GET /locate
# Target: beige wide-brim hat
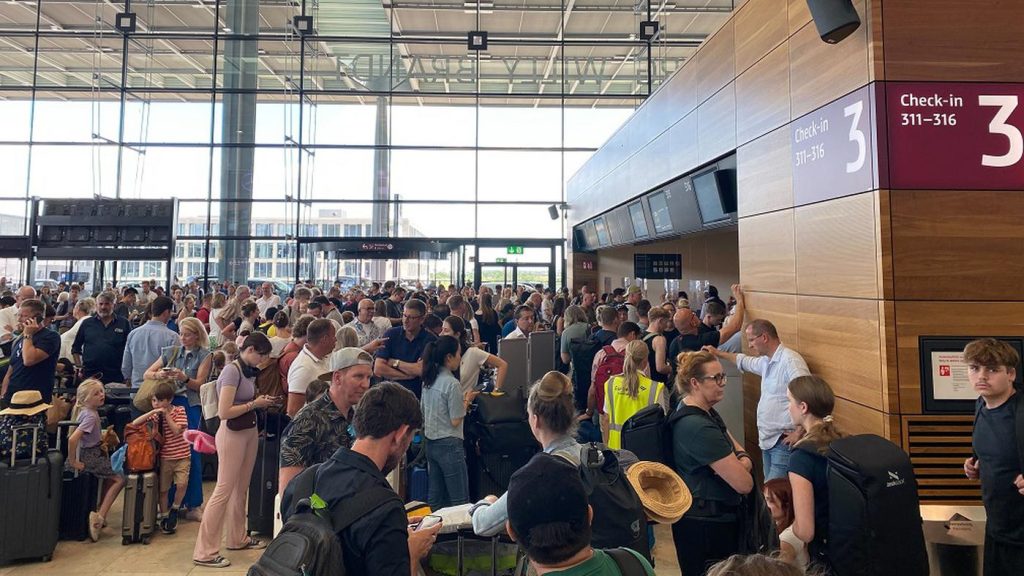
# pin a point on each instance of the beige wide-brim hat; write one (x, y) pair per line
(26, 403)
(662, 492)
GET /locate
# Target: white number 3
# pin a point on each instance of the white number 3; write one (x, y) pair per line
(856, 135)
(1007, 104)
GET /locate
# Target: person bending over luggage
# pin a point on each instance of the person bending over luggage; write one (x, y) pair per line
(810, 404)
(991, 369)
(237, 441)
(550, 517)
(711, 463)
(628, 393)
(444, 409)
(380, 543)
(175, 453)
(86, 455)
(473, 357)
(552, 418)
(324, 424)
(778, 494)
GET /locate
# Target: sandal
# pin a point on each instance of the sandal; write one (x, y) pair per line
(252, 544)
(218, 562)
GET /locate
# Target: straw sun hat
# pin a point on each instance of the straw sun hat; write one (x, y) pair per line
(662, 492)
(26, 403)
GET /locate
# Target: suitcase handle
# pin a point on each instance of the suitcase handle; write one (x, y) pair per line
(14, 442)
(68, 424)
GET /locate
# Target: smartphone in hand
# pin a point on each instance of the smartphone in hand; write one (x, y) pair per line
(428, 521)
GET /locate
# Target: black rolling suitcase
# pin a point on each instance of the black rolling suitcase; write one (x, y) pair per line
(31, 490)
(79, 493)
(264, 483)
(501, 442)
(209, 461)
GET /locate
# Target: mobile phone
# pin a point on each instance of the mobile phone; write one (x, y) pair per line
(428, 521)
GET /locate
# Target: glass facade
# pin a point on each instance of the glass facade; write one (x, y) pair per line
(380, 122)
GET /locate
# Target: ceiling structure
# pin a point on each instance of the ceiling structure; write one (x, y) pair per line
(539, 51)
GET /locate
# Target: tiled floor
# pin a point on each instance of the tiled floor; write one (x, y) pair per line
(172, 555)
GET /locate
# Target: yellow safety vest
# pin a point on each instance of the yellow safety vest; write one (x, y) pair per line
(623, 407)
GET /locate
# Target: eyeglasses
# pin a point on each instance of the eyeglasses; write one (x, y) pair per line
(407, 317)
(718, 378)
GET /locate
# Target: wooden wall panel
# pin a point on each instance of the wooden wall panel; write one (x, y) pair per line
(852, 418)
(762, 96)
(915, 319)
(681, 93)
(840, 340)
(682, 144)
(799, 15)
(716, 62)
(780, 309)
(955, 40)
(876, 54)
(767, 252)
(883, 244)
(888, 356)
(944, 242)
(760, 27)
(716, 124)
(822, 72)
(835, 248)
(764, 174)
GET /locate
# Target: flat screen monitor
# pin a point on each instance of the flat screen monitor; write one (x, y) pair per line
(659, 212)
(579, 236)
(636, 215)
(602, 232)
(709, 200)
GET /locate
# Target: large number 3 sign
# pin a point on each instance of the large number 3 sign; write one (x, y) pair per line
(857, 136)
(1007, 104)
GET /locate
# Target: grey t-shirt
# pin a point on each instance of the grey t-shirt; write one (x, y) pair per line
(442, 402)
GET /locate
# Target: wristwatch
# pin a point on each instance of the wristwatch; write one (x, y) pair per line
(394, 363)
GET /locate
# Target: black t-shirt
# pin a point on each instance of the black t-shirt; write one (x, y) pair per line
(605, 337)
(691, 343)
(995, 443)
(652, 358)
(394, 308)
(814, 467)
(39, 376)
(697, 442)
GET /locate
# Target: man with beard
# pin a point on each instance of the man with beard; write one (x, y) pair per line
(99, 345)
(379, 543)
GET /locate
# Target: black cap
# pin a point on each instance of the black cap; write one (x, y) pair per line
(547, 490)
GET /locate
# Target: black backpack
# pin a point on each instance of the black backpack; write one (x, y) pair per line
(308, 544)
(582, 352)
(644, 434)
(874, 524)
(619, 517)
(498, 425)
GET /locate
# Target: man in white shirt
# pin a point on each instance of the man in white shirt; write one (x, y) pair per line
(9, 315)
(777, 365)
(524, 322)
(311, 362)
(366, 326)
(268, 299)
(633, 297)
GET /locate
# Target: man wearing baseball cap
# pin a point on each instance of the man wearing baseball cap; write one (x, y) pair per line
(549, 516)
(322, 426)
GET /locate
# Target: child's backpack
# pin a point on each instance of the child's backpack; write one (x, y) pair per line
(874, 524)
(308, 543)
(143, 441)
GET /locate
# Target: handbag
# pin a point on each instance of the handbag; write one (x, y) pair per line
(245, 421)
(142, 400)
(208, 399)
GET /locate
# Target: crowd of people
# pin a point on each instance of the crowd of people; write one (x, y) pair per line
(360, 373)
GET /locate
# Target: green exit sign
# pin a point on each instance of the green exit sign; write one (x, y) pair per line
(515, 250)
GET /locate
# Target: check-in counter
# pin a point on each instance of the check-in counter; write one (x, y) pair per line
(955, 537)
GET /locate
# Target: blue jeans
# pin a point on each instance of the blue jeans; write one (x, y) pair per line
(194, 493)
(776, 460)
(447, 477)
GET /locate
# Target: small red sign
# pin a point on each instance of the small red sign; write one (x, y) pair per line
(955, 136)
(944, 370)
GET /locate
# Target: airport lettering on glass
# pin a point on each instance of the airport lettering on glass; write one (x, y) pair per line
(959, 136)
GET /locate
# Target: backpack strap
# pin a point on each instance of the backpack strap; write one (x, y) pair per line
(627, 562)
(345, 512)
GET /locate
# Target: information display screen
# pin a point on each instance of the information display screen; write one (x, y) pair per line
(602, 232)
(659, 212)
(636, 215)
(708, 199)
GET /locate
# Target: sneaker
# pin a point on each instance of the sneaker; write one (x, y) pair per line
(169, 524)
(252, 544)
(218, 562)
(95, 525)
(195, 515)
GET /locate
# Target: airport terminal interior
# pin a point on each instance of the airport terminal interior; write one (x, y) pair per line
(781, 195)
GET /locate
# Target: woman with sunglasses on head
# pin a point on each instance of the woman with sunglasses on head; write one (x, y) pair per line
(473, 357)
(710, 461)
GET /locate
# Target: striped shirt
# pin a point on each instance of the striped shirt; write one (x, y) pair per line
(175, 447)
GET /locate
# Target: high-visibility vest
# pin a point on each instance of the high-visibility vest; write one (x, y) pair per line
(623, 406)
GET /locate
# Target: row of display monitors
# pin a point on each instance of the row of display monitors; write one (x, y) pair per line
(687, 204)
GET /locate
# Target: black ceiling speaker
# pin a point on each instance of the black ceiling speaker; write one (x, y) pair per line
(835, 19)
(553, 211)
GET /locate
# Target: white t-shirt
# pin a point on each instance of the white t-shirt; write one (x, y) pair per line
(469, 370)
(277, 345)
(262, 303)
(515, 334)
(304, 370)
(214, 327)
(8, 317)
(799, 546)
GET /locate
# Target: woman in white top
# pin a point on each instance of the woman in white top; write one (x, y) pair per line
(283, 336)
(473, 357)
(778, 494)
(217, 306)
(83, 309)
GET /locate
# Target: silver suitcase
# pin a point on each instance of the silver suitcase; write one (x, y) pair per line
(140, 495)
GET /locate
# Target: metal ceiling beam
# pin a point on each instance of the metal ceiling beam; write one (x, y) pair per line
(512, 7)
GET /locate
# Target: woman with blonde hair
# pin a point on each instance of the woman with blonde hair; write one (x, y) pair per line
(628, 393)
(711, 463)
(811, 402)
(216, 308)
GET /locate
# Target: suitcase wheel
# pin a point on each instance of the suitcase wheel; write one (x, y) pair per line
(47, 558)
(125, 540)
(145, 540)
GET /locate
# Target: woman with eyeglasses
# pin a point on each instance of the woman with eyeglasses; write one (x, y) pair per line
(711, 463)
(628, 393)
